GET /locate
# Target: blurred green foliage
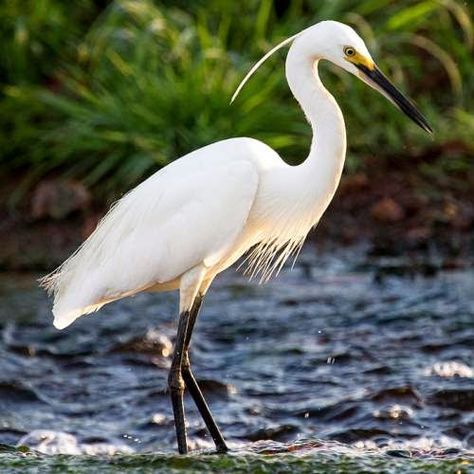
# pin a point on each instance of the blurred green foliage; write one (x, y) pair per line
(107, 92)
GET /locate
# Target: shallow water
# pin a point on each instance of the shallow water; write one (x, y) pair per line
(352, 355)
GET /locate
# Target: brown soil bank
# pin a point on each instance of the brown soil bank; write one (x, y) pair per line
(398, 206)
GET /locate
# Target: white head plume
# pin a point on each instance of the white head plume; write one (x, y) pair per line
(260, 62)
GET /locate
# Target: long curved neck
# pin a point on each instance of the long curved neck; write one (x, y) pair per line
(323, 167)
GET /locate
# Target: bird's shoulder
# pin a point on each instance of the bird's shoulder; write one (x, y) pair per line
(226, 152)
(221, 162)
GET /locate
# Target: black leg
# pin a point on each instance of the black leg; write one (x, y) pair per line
(192, 385)
(176, 383)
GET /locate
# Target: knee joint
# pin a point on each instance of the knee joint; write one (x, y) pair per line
(175, 381)
(186, 362)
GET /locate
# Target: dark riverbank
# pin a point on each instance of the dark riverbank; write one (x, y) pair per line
(391, 206)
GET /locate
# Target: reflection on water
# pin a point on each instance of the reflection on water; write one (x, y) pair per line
(334, 351)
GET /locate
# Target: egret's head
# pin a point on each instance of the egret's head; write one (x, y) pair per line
(345, 48)
(341, 45)
(336, 42)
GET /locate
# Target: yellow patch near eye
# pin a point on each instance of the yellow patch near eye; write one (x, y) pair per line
(361, 60)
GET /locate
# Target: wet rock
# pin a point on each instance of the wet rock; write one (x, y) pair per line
(387, 210)
(152, 343)
(56, 199)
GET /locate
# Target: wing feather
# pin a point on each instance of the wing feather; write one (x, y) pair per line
(187, 213)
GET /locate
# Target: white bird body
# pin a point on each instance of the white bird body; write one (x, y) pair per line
(153, 247)
(197, 216)
(206, 209)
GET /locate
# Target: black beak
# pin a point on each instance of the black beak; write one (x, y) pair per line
(376, 77)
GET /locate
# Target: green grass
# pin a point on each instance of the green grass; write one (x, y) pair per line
(255, 464)
(108, 98)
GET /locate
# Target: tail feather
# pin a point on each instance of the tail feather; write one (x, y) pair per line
(68, 305)
(78, 287)
(77, 293)
(63, 319)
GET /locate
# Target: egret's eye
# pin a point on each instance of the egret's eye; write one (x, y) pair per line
(349, 51)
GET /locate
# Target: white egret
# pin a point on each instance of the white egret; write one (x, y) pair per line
(198, 215)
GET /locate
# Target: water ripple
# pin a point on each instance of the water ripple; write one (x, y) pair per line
(329, 355)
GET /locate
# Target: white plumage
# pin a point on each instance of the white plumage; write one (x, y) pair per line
(202, 212)
(168, 233)
(198, 215)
